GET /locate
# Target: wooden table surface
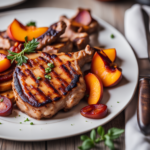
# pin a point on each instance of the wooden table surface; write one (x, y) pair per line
(113, 13)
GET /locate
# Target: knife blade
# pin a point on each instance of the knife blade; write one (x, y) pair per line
(143, 107)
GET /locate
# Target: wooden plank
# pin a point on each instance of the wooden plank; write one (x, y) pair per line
(1, 142)
(14, 145)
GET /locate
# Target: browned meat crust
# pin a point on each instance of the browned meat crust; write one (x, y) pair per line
(51, 35)
(61, 45)
(80, 40)
(5, 41)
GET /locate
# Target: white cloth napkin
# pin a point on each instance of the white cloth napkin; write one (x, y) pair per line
(135, 33)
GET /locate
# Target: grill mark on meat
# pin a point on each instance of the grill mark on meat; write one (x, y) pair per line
(31, 61)
(57, 98)
(52, 57)
(58, 78)
(28, 97)
(43, 59)
(49, 32)
(42, 68)
(31, 100)
(65, 69)
(73, 83)
(48, 56)
(21, 74)
(31, 75)
(45, 98)
(56, 58)
(49, 85)
(68, 54)
(71, 68)
(28, 64)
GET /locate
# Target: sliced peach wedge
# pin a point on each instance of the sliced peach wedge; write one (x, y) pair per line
(4, 62)
(105, 69)
(110, 52)
(94, 88)
(17, 31)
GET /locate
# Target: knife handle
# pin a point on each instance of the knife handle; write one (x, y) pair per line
(143, 109)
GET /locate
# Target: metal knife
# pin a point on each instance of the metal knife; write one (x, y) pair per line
(143, 107)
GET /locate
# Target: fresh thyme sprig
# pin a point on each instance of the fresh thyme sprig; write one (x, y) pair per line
(89, 142)
(29, 47)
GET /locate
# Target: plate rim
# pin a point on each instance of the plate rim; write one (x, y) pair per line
(110, 26)
(12, 4)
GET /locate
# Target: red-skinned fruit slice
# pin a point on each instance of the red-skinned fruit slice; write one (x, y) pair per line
(83, 17)
(5, 106)
(95, 111)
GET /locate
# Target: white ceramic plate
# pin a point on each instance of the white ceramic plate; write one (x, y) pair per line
(71, 123)
(9, 3)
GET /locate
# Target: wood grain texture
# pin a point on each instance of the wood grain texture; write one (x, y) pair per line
(143, 111)
(111, 12)
(13, 145)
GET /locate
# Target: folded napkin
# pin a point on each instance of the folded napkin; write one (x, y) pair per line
(136, 34)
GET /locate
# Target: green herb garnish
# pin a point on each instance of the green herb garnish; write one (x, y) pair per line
(31, 23)
(1, 99)
(48, 77)
(29, 47)
(26, 120)
(31, 123)
(47, 70)
(20, 129)
(38, 78)
(117, 102)
(51, 65)
(112, 36)
(20, 122)
(0, 123)
(71, 124)
(90, 142)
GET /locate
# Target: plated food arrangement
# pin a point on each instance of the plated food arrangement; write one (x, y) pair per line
(40, 68)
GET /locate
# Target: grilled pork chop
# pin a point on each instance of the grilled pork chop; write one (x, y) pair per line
(45, 97)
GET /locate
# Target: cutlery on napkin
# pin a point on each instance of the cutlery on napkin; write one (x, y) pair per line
(136, 34)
